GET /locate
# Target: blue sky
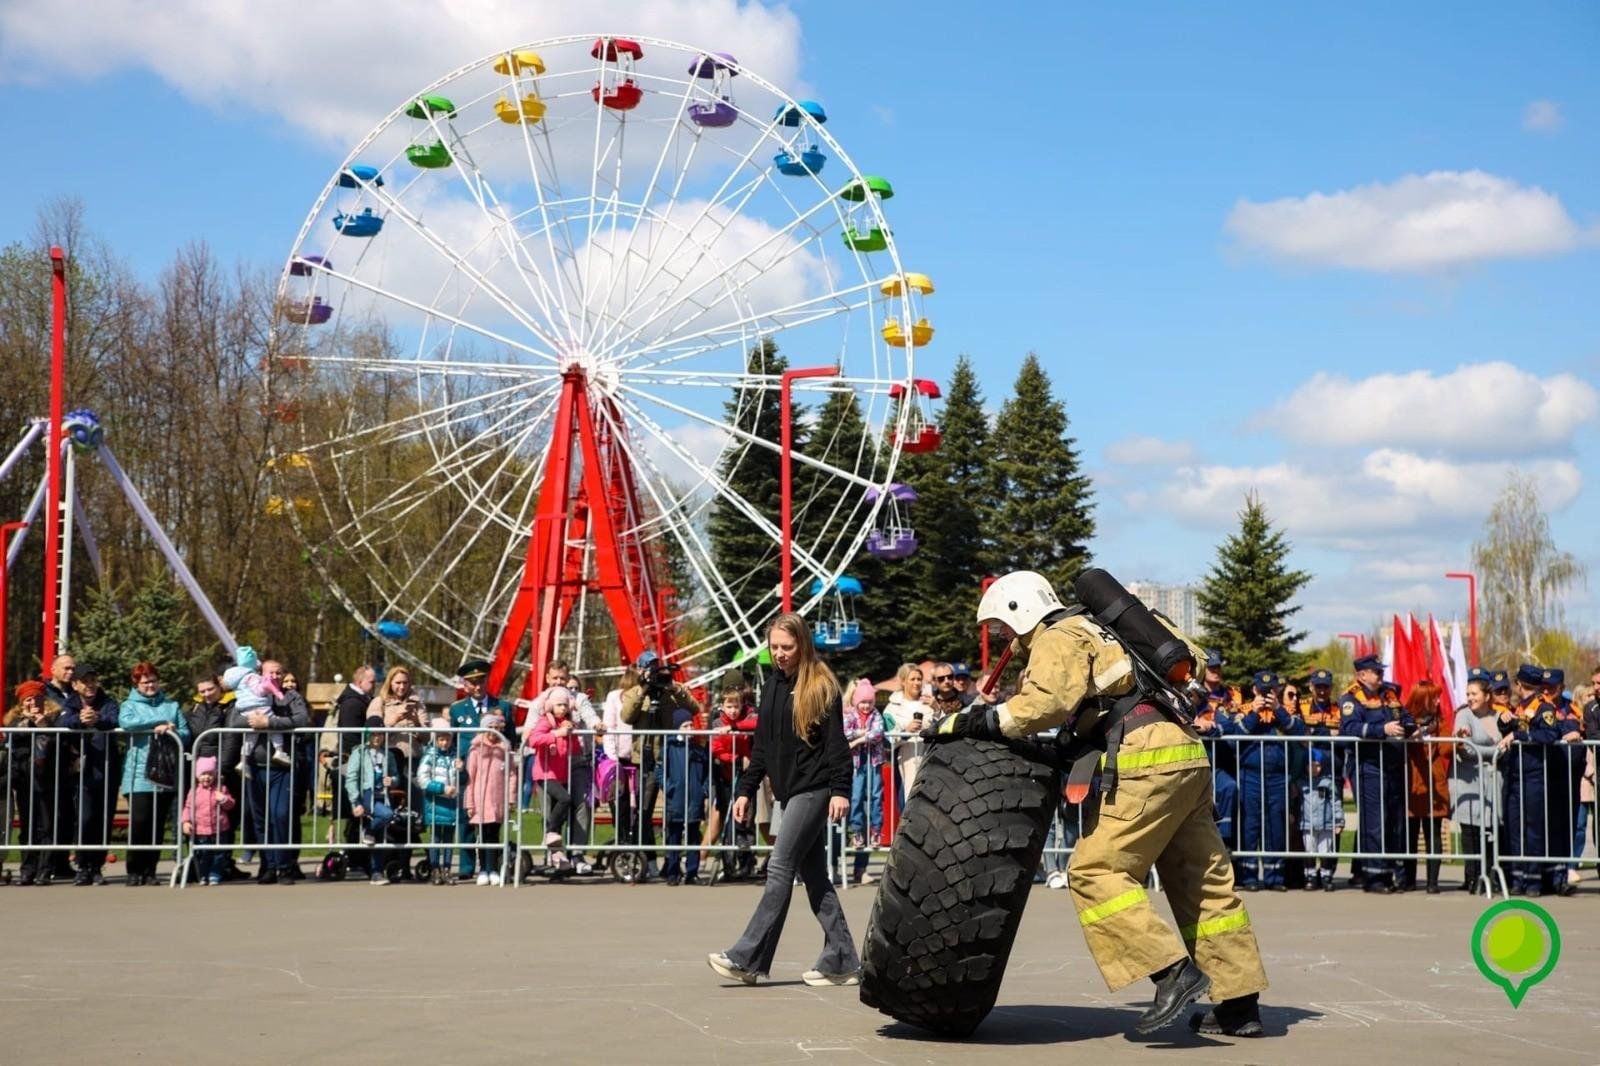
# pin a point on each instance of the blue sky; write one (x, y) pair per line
(1131, 191)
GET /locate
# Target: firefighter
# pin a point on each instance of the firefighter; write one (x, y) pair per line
(1373, 716)
(1154, 810)
(1563, 783)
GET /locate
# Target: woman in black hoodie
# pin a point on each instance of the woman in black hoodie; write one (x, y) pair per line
(800, 747)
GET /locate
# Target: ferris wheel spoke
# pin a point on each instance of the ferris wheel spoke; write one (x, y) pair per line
(504, 570)
(479, 188)
(642, 212)
(459, 368)
(454, 462)
(544, 212)
(674, 299)
(696, 553)
(800, 313)
(726, 379)
(484, 403)
(479, 279)
(744, 193)
(746, 435)
(483, 331)
(720, 486)
(459, 555)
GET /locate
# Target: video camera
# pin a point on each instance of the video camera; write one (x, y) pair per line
(657, 674)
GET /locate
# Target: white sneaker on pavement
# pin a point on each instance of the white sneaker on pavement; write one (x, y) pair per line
(494, 878)
(818, 979)
(483, 877)
(725, 967)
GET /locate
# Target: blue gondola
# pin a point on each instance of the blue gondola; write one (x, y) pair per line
(841, 631)
(365, 224)
(787, 115)
(808, 162)
(358, 174)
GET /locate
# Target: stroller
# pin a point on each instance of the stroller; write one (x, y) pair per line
(403, 835)
(617, 783)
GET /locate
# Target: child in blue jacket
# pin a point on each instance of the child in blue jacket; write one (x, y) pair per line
(439, 782)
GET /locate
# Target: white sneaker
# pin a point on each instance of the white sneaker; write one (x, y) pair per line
(818, 979)
(483, 877)
(377, 879)
(583, 869)
(726, 968)
(367, 840)
(1057, 879)
(494, 879)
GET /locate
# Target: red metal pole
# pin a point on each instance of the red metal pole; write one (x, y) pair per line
(6, 529)
(1472, 611)
(983, 629)
(786, 558)
(52, 504)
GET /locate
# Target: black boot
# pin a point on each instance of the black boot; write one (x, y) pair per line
(1433, 877)
(1240, 1016)
(1180, 985)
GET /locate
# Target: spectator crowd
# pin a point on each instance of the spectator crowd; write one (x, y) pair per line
(375, 784)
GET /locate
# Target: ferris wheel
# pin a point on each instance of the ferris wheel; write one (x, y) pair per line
(520, 336)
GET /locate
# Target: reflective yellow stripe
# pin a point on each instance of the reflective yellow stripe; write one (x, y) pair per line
(1143, 760)
(1215, 926)
(1101, 911)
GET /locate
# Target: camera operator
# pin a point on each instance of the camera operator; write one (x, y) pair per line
(651, 706)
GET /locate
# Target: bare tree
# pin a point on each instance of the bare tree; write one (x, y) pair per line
(1522, 574)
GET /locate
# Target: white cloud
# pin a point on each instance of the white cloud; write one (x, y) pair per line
(1542, 116)
(1384, 493)
(335, 68)
(1149, 451)
(1421, 222)
(1466, 410)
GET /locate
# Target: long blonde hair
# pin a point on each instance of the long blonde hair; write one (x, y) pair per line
(386, 690)
(816, 690)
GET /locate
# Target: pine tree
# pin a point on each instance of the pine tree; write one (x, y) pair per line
(1042, 513)
(944, 577)
(745, 556)
(156, 628)
(1244, 601)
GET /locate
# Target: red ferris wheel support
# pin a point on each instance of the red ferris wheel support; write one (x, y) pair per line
(589, 494)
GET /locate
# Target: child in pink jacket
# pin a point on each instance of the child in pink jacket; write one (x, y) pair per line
(205, 819)
(486, 795)
(554, 747)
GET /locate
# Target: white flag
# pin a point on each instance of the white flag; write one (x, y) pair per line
(1458, 659)
(1454, 694)
(1388, 656)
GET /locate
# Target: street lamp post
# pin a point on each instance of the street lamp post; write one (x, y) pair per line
(786, 556)
(1472, 611)
(6, 529)
(52, 504)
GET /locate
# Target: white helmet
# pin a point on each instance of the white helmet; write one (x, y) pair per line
(1020, 600)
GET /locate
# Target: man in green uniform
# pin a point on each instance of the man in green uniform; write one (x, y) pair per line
(1157, 812)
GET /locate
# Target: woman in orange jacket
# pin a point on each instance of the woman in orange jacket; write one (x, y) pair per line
(1428, 772)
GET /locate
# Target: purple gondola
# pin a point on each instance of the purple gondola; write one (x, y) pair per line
(304, 266)
(718, 116)
(897, 539)
(708, 65)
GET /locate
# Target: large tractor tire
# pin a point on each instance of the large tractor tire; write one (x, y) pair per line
(958, 876)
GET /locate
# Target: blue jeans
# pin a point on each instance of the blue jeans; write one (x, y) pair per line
(1580, 831)
(866, 799)
(267, 809)
(689, 858)
(1068, 819)
(439, 857)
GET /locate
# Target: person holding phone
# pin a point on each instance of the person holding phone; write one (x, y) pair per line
(907, 714)
(800, 746)
(1264, 783)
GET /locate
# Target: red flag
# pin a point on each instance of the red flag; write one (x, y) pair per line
(1438, 674)
(1410, 662)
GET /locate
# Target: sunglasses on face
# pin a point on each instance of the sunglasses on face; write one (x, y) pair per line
(944, 677)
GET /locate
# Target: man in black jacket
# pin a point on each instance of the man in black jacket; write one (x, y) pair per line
(350, 712)
(268, 790)
(94, 712)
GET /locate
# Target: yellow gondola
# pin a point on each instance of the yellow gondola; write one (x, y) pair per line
(531, 110)
(519, 63)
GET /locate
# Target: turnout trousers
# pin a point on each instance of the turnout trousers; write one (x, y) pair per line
(1162, 819)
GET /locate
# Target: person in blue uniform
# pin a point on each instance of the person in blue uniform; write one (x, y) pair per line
(1368, 714)
(1221, 708)
(1527, 729)
(466, 713)
(1500, 690)
(1322, 786)
(1563, 776)
(1264, 782)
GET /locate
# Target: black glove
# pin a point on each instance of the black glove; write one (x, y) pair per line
(972, 724)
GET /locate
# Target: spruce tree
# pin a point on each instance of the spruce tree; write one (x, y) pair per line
(1244, 601)
(745, 555)
(1042, 514)
(156, 628)
(944, 578)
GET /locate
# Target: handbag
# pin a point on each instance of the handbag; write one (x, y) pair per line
(161, 763)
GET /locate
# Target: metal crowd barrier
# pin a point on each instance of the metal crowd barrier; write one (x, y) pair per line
(292, 799)
(63, 799)
(1546, 825)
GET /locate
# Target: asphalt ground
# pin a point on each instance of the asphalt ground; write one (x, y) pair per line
(597, 972)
